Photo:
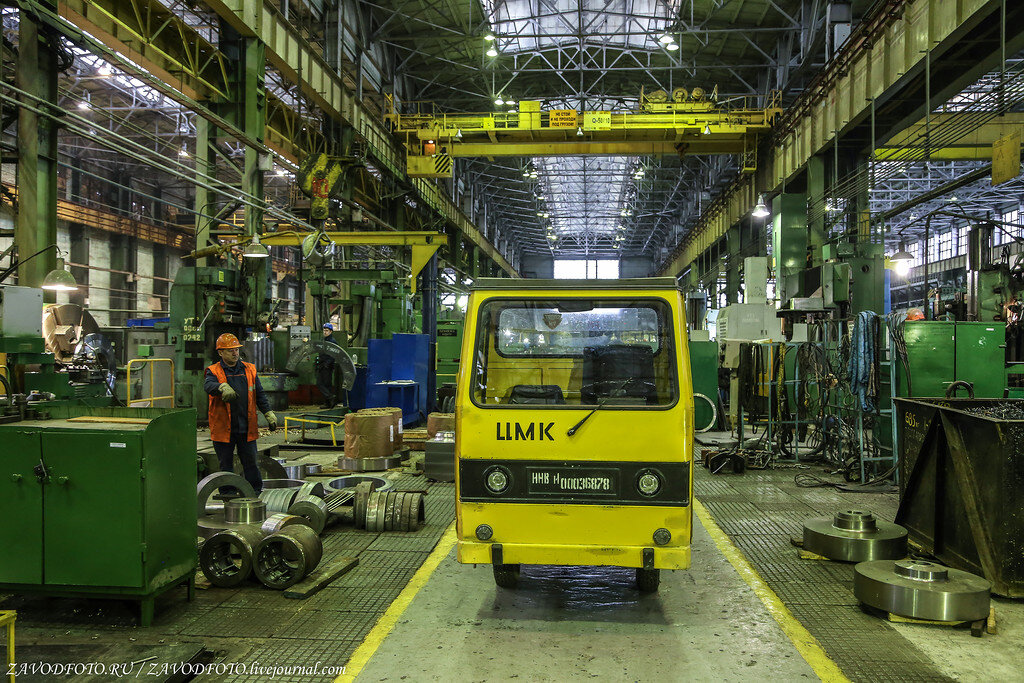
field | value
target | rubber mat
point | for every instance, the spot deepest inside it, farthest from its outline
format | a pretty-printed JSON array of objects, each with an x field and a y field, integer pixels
[{"x": 761, "y": 513}]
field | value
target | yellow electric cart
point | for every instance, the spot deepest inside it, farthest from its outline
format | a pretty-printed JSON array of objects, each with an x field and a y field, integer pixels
[{"x": 574, "y": 427}]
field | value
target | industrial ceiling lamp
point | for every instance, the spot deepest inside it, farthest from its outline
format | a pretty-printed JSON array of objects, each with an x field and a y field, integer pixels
[
  {"x": 672, "y": 47},
  {"x": 492, "y": 51},
  {"x": 579, "y": 131},
  {"x": 489, "y": 37},
  {"x": 760, "y": 209},
  {"x": 498, "y": 101},
  {"x": 707, "y": 129},
  {"x": 458, "y": 134},
  {"x": 902, "y": 260},
  {"x": 59, "y": 279},
  {"x": 665, "y": 39},
  {"x": 255, "y": 250}
]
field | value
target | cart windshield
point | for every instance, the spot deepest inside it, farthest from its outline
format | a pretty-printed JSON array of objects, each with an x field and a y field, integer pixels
[{"x": 574, "y": 352}]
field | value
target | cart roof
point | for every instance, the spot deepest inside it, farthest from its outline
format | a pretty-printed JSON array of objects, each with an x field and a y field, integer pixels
[{"x": 646, "y": 283}]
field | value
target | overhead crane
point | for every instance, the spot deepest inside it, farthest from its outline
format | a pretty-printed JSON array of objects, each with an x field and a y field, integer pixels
[{"x": 684, "y": 123}]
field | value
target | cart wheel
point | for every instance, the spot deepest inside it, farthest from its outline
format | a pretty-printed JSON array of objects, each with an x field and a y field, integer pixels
[
  {"x": 647, "y": 580},
  {"x": 506, "y": 575}
]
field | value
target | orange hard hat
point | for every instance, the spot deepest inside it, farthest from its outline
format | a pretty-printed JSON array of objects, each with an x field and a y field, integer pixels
[
  {"x": 915, "y": 314},
  {"x": 228, "y": 341}
]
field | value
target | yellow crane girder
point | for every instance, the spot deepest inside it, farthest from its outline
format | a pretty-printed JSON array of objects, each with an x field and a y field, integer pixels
[
  {"x": 670, "y": 128},
  {"x": 424, "y": 244}
]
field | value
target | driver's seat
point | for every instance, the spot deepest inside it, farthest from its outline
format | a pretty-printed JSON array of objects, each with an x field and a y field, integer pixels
[{"x": 623, "y": 371}]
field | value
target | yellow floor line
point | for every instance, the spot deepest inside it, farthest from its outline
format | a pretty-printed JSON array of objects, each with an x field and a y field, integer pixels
[
  {"x": 806, "y": 644},
  {"x": 387, "y": 622}
]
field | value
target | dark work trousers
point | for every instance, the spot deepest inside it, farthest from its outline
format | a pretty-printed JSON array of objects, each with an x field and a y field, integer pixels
[
  {"x": 325, "y": 382},
  {"x": 246, "y": 454}
]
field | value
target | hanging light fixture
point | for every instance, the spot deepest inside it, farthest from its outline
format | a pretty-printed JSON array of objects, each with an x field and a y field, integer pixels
[
  {"x": 255, "y": 250},
  {"x": 902, "y": 260},
  {"x": 458, "y": 134},
  {"x": 59, "y": 279},
  {"x": 672, "y": 47},
  {"x": 579, "y": 131},
  {"x": 489, "y": 37},
  {"x": 665, "y": 39},
  {"x": 707, "y": 129},
  {"x": 492, "y": 51},
  {"x": 760, "y": 209},
  {"x": 498, "y": 101}
]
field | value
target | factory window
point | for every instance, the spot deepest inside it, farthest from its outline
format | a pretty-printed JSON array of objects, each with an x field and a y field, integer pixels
[
  {"x": 586, "y": 269},
  {"x": 945, "y": 241},
  {"x": 963, "y": 240},
  {"x": 1004, "y": 234}
]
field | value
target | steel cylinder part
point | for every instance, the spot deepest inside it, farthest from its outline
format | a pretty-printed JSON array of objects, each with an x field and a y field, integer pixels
[
  {"x": 226, "y": 558},
  {"x": 286, "y": 557},
  {"x": 855, "y": 535},
  {"x": 311, "y": 489},
  {"x": 279, "y": 520},
  {"x": 245, "y": 511},
  {"x": 313, "y": 510},
  {"x": 922, "y": 590},
  {"x": 278, "y": 500}
]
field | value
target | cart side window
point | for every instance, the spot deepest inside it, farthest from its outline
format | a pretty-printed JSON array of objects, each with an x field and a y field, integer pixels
[{"x": 574, "y": 352}]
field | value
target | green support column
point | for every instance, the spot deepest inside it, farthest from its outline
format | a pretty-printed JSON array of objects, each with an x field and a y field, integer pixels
[
  {"x": 732, "y": 275},
  {"x": 474, "y": 262},
  {"x": 816, "y": 207},
  {"x": 254, "y": 119},
  {"x": 36, "y": 224},
  {"x": 205, "y": 199},
  {"x": 789, "y": 243}
]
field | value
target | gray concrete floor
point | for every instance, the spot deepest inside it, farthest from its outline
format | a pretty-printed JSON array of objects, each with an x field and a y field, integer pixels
[{"x": 583, "y": 623}]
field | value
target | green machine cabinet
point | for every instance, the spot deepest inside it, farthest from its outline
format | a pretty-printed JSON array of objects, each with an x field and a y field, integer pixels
[
  {"x": 704, "y": 372},
  {"x": 940, "y": 353},
  {"x": 100, "y": 508},
  {"x": 981, "y": 357}
]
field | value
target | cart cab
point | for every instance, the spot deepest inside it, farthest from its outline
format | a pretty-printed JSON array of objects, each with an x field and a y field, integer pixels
[{"x": 574, "y": 427}]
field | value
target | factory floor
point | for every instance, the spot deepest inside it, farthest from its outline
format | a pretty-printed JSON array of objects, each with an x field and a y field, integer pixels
[{"x": 748, "y": 609}]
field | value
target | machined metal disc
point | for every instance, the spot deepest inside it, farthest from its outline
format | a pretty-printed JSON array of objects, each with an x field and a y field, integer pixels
[
  {"x": 370, "y": 516},
  {"x": 922, "y": 590},
  {"x": 855, "y": 535},
  {"x": 368, "y": 464},
  {"x": 245, "y": 511},
  {"x": 405, "y": 521}
]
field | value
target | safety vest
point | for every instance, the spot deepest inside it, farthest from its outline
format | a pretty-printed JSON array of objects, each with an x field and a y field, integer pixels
[{"x": 220, "y": 410}]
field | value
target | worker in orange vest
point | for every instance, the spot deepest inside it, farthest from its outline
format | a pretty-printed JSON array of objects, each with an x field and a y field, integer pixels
[{"x": 235, "y": 395}]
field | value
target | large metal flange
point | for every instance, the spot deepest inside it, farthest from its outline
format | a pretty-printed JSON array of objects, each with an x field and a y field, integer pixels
[
  {"x": 855, "y": 535},
  {"x": 922, "y": 590},
  {"x": 278, "y": 500},
  {"x": 280, "y": 520},
  {"x": 368, "y": 464},
  {"x": 212, "y": 482},
  {"x": 311, "y": 489},
  {"x": 353, "y": 480}
]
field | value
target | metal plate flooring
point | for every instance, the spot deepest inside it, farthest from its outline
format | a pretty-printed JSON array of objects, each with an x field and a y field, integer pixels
[
  {"x": 761, "y": 511},
  {"x": 251, "y": 625}
]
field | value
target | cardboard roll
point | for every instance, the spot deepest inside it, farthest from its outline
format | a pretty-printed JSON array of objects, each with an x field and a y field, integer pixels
[
  {"x": 922, "y": 590},
  {"x": 855, "y": 536}
]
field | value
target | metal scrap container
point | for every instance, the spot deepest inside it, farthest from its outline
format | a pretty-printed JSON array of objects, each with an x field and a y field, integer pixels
[
  {"x": 962, "y": 485},
  {"x": 99, "y": 508}
]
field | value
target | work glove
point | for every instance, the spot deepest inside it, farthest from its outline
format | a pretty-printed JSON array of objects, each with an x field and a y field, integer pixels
[
  {"x": 227, "y": 393},
  {"x": 271, "y": 420}
]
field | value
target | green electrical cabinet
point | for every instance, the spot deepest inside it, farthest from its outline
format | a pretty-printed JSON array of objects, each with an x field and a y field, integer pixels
[
  {"x": 99, "y": 508},
  {"x": 704, "y": 373},
  {"x": 939, "y": 353}
]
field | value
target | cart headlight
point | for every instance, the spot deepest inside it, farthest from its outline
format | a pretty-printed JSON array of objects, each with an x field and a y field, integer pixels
[
  {"x": 484, "y": 532},
  {"x": 648, "y": 483},
  {"x": 497, "y": 479}
]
